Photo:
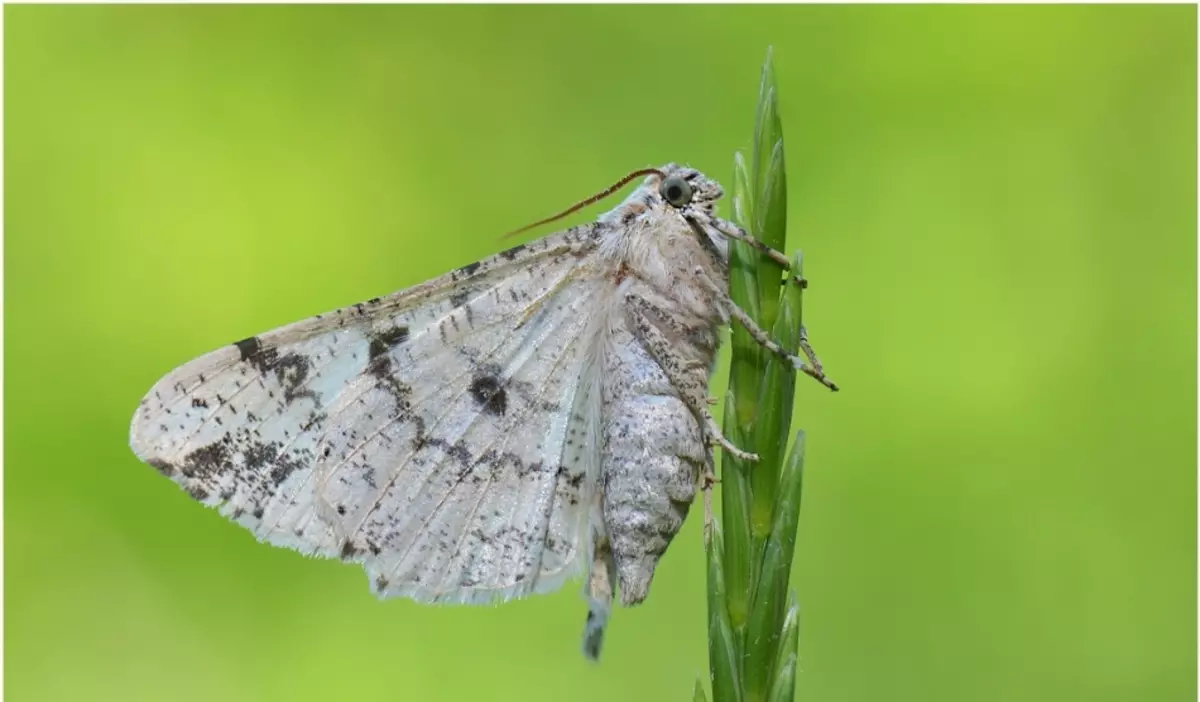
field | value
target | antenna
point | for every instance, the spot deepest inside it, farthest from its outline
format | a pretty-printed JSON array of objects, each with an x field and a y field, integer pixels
[{"x": 595, "y": 198}]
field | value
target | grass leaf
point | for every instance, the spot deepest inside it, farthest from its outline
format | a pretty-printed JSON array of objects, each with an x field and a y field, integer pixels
[
  {"x": 783, "y": 686},
  {"x": 767, "y": 607},
  {"x": 724, "y": 653}
]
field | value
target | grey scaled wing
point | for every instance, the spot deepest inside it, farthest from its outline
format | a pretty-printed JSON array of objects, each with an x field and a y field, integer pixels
[{"x": 443, "y": 436}]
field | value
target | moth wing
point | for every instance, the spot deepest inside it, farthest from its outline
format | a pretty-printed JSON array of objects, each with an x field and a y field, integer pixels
[{"x": 443, "y": 436}]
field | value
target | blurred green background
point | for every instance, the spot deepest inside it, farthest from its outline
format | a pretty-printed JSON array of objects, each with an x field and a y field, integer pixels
[{"x": 998, "y": 210}]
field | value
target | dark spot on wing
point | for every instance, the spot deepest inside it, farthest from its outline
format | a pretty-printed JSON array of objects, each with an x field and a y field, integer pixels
[
  {"x": 489, "y": 392},
  {"x": 382, "y": 342},
  {"x": 162, "y": 466},
  {"x": 292, "y": 372},
  {"x": 259, "y": 455},
  {"x": 381, "y": 367},
  {"x": 263, "y": 359},
  {"x": 524, "y": 470},
  {"x": 460, "y": 298},
  {"x": 284, "y": 466},
  {"x": 459, "y": 452},
  {"x": 240, "y": 468},
  {"x": 206, "y": 462},
  {"x": 381, "y": 584},
  {"x": 511, "y": 254},
  {"x": 249, "y": 347},
  {"x": 348, "y": 550},
  {"x": 469, "y": 269}
]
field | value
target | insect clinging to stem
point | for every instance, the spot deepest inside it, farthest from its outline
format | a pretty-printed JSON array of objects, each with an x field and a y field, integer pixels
[{"x": 493, "y": 432}]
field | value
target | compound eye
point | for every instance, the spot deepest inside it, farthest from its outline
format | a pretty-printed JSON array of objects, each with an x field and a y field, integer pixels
[{"x": 676, "y": 191}]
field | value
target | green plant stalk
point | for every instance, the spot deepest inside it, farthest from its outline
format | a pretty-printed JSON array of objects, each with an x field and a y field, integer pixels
[
  {"x": 741, "y": 412},
  {"x": 753, "y": 619},
  {"x": 768, "y": 223}
]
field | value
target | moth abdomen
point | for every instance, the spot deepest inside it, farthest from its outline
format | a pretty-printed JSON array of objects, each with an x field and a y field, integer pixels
[{"x": 653, "y": 453}]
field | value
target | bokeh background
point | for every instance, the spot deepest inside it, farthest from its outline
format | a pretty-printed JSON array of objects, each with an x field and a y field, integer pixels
[{"x": 998, "y": 210}]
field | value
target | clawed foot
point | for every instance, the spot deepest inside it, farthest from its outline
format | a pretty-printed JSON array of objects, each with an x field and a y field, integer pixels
[
  {"x": 815, "y": 374},
  {"x": 815, "y": 370}
]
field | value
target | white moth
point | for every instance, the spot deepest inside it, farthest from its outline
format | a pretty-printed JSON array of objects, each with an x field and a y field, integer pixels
[{"x": 490, "y": 433}]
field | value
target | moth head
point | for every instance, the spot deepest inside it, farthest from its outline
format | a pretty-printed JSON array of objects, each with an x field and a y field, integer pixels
[
  {"x": 684, "y": 189},
  {"x": 690, "y": 195}
]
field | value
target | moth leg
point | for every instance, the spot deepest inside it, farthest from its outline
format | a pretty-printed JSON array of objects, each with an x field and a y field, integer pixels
[
  {"x": 692, "y": 387},
  {"x": 733, "y": 231},
  {"x": 698, "y": 220},
  {"x": 759, "y": 335},
  {"x": 797, "y": 280},
  {"x": 808, "y": 351},
  {"x": 599, "y": 591}
]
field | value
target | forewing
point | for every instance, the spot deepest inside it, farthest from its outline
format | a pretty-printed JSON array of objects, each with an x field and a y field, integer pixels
[{"x": 438, "y": 435}]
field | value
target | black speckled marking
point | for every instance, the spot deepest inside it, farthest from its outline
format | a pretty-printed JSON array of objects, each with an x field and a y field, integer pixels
[
  {"x": 460, "y": 298},
  {"x": 197, "y": 493},
  {"x": 162, "y": 466},
  {"x": 381, "y": 367},
  {"x": 260, "y": 455},
  {"x": 382, "y": 342},
  {"x": 512, "y": 253},
  {"x": 348, "y": 550},
  {"x": 249, "y": 347},
  {"x": 291, "y": 370},
  {"x": 489, "y": 392},
  {"x": 469, "y": 269},
  {"x": 205, "y": 462}
]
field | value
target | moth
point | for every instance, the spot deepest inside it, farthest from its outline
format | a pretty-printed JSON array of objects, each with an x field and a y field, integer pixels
[{"x": 539, "y": 415}]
